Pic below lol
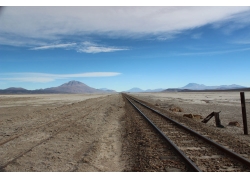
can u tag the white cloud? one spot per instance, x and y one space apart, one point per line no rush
233 23
54 23
86 47
98 49
54 46
89 47
18 41
43 77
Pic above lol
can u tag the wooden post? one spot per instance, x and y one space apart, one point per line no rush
217 120
244 114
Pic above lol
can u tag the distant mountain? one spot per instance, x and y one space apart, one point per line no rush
202 87
14 90
74 87
104 89
71 87
154 90
233 86
195 86
107 90
172 90
135 89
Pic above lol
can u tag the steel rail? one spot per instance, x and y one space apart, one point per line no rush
235 155
187 160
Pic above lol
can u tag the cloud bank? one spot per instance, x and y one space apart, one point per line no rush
42 24
43 77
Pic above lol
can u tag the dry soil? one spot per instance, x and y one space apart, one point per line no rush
93 133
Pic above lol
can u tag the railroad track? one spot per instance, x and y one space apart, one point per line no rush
197 151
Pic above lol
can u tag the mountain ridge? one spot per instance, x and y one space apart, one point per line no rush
191 87
77 87
195 86
71 87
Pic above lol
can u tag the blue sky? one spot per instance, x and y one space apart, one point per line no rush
124 47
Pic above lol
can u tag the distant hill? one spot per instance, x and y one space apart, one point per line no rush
172 90
201 87
134 90
154 90
14 90
233 86
190 87
107 90
216 90
71 87
195 86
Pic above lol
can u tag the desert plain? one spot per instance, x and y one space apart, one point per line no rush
86 132
203 103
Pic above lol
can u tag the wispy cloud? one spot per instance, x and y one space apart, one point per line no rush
84 47
54 46
43 77
99 49
88 47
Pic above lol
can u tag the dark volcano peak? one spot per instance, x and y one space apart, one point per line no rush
73 83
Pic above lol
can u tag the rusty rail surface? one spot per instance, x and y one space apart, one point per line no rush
227 151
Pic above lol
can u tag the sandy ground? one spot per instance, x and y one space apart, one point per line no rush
61 133
44 99
203 103
92 133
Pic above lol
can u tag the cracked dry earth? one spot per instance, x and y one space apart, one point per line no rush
82 136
